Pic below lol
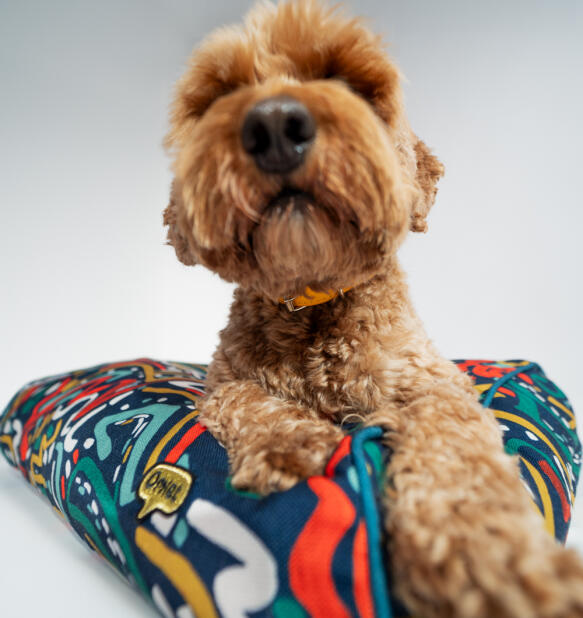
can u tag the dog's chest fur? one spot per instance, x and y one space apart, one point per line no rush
348 356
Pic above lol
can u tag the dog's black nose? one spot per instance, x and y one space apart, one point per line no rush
277 132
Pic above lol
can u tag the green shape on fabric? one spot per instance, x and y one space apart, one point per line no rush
108 504
528 404
184 461
29 404
512 446
353 479
373 450
548 387
180 533
159 414
286 607
564 451
78 515
240 492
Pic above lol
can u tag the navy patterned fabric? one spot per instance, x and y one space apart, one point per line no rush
118 451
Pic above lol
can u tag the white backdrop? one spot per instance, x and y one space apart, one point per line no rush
495 88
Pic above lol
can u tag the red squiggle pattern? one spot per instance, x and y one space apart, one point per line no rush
361 573
310 563
566 507
187 439
341 451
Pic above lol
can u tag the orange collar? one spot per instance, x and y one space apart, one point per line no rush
311 298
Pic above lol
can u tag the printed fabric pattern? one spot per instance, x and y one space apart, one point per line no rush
118 452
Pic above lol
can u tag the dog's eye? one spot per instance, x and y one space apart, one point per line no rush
352 76
199 100
358 86
330 70
373 79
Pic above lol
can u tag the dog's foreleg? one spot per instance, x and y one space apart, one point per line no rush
272 443
465 539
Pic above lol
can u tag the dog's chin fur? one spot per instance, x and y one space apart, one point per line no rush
298 240
299 243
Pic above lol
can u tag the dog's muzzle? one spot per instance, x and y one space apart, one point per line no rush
277 132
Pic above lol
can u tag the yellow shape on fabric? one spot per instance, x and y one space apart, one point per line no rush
536 431
127 453
544 495
482 387
180 391
179 572
572 422
153 458
8 441
36 459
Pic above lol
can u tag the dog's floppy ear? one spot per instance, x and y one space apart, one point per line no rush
175 237
429 171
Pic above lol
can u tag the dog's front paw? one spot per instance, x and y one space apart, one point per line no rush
497 580
496 560
265 466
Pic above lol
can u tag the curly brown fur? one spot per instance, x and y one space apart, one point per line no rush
465 540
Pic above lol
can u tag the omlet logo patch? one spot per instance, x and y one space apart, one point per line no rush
164 488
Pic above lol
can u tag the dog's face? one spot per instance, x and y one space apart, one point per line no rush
294 163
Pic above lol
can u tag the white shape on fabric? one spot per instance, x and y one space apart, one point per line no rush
163 523
240 589
161 602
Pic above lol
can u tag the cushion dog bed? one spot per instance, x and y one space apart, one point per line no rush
118 451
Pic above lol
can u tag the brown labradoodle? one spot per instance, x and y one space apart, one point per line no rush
297 176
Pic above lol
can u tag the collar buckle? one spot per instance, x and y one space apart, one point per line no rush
290 305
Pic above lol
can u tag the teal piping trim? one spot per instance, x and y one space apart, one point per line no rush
500 381
371 514
371 518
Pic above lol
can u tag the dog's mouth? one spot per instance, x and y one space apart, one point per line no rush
288 198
